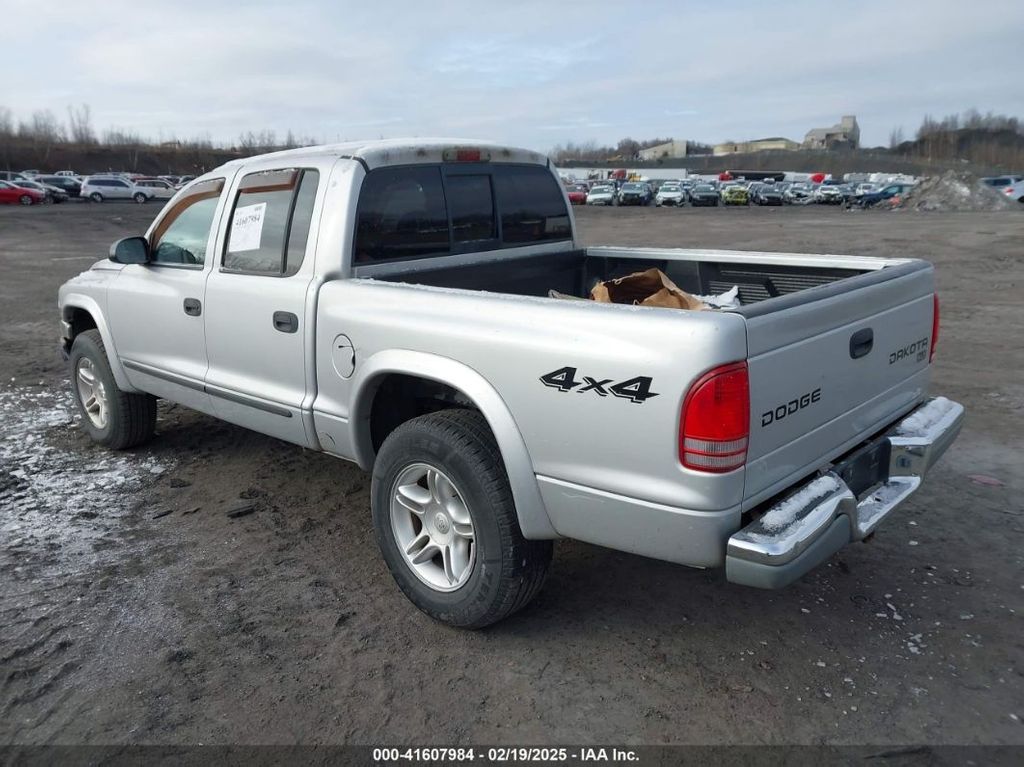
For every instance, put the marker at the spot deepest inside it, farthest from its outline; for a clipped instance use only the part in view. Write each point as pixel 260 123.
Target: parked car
pixel 670 193
pixel 161 189
pixel 50 193
pixel 767 194
pixel 102 188
pixel 66 173
pixel 828 194
pixel 887 192
pixel 635 193
pixel 10 175
pixel 9 193
pixel 798 194
pixel 1014 191
pixel 735 194
pixel 704 195
pixel 70 184
pixel 602 194
pixel 182 180
pixel 577 194
pixel 31 173
pixel 999 182
pixel 790 427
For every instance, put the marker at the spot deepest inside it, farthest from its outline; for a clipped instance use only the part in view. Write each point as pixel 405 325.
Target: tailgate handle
pixel 861 343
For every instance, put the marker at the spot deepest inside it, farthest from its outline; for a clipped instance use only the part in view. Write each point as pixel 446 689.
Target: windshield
pixel 601 190
pixel 632 187
pixel 669 188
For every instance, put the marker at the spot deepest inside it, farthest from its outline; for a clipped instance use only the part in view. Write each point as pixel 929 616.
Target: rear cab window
pixel 418 211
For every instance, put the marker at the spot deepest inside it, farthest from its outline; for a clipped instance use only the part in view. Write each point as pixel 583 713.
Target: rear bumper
pixel 807 527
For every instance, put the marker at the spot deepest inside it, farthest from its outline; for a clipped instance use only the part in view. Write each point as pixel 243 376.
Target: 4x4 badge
pixel 636 390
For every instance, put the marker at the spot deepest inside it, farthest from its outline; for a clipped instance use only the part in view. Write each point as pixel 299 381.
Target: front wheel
pixel 25 199
pixel 139 198
pixel 111 417
pixel 446 522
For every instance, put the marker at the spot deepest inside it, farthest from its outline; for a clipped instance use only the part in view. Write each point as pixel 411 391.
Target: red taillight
pixel 935 326
pixel 715 422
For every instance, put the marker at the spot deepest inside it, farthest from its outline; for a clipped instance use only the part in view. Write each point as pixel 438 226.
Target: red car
pixel 10 192
pixel 578 194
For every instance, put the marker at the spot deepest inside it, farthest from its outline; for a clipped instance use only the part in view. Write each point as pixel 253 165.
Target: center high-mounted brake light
pixel 466 154
pixel 935 326
pixel 714 427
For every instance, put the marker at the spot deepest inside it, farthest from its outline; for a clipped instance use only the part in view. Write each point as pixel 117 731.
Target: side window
pixel 401 214
pixel 182 234
pixel 472 206
pixel 531 204
pixel 121 184
pixel 270 222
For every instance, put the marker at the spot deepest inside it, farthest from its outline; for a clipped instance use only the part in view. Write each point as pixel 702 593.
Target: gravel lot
pixel 133 609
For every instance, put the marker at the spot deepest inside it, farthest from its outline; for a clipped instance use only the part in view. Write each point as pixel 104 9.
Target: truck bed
pixel 759 277
pixel 848 335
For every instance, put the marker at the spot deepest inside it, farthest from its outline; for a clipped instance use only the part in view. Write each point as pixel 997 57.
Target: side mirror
pixel 130 250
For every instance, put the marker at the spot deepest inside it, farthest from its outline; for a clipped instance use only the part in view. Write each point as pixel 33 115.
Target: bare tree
pixel 896 137
pixel 80 125
pixel 628 148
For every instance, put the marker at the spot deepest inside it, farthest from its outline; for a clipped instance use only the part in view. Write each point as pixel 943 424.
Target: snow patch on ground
pixel 43 480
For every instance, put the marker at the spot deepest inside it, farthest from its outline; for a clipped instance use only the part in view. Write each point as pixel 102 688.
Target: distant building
pixel 773 144
pixel 668 149
pixel 844 135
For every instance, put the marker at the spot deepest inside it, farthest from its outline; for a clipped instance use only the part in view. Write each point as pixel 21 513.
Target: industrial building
pixel 775 143
pixel 844 135
pixel 668 149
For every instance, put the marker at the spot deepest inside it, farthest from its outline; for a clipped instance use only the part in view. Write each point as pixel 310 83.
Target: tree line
pixel 626 149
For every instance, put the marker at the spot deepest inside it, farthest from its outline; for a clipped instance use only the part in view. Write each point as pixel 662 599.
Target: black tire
pixel 96 197
pixel 131 418
pixel 26 199
pixel 508 570
pixel 140 198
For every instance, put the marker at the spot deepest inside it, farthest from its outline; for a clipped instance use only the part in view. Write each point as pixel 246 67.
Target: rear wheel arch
pixel 457 386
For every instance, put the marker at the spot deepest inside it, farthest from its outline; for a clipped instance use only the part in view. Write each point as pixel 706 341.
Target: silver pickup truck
pixel 388 303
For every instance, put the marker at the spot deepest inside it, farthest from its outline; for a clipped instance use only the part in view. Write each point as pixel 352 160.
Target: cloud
pixel 532 73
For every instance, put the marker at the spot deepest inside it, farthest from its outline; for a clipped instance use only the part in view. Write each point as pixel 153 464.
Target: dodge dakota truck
pixel 406 305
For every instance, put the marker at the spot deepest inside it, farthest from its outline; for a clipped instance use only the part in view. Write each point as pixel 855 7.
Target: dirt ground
pixel 133 609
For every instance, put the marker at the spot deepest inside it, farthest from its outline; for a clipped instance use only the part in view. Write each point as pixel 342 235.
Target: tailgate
pixel 830 366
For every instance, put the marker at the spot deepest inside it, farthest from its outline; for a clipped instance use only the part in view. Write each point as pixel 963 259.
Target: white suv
pixel 100 188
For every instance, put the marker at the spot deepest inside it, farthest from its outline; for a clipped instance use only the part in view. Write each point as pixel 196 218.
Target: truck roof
pixel 402 151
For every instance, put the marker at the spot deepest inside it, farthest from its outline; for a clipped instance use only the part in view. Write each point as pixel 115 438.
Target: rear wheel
pixel 111 417
pixel 96 197
pixel 139 198
pixel 446 523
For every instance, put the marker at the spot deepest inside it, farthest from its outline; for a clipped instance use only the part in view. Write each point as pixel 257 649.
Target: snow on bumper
pixel 799 532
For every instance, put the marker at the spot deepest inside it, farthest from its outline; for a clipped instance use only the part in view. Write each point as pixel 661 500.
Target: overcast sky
pixel 530 73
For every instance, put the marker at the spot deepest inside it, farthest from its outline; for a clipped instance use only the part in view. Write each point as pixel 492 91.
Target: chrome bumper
pixel 807 527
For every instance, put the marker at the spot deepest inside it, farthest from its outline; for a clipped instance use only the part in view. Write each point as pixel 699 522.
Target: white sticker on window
pixel 247 228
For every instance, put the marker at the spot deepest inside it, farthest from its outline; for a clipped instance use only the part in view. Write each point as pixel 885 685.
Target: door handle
pixel 861 343
pixel 286 322
pixel 192 307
